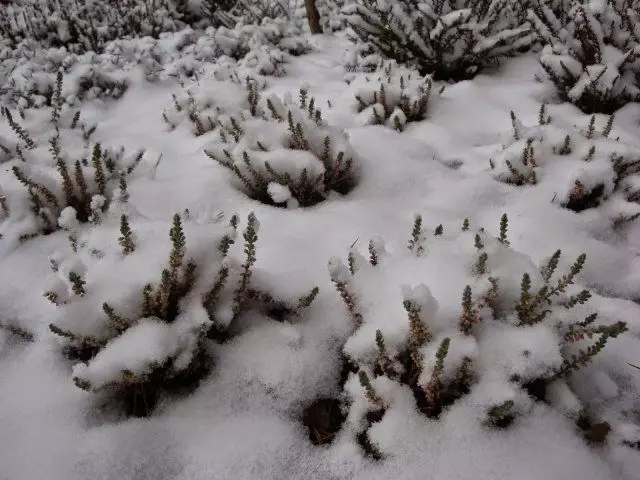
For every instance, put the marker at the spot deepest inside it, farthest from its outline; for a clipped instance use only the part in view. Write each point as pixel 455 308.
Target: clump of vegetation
pixel 584 167
pixel 157 341
pixel 202 110
pixel 87 184
pixel 285 154
pixel 590 53
pixel 449 39
pixel 87 26
pixel 543 326
pixel 395 99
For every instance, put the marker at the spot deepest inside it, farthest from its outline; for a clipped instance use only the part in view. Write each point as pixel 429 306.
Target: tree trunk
pixel 313 16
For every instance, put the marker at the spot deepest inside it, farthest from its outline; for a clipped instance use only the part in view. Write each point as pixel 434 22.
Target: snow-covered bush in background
pixel 451 39
pixel 31 72
pixel 28 71
pixel 285 154
pixel 509 338
pixel 591 52
pixel 398 96
pixel 239 41
pixel 579 168
pixel 139 337
pixel 65 180
pixel 332 18
pixel 28 74
pixel 87 25
pixel 219 13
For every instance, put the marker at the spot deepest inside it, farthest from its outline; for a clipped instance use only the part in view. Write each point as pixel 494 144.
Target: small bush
pixel 580 168
pixel 154 339
pixel 591 54
pixel 286 155
pixel 515 335
pixel 395 99
pixel 86 185
pixel 450 39
pixel 202 106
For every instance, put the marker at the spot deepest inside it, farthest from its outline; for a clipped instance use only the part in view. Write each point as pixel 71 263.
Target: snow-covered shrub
pixel 239 41
pixel 451 39
pixel 202 105
pixel 219 12
pixel 509 338
pixel 579 168
pixel 265 60
pixel 285 154
pixel 331 17
pixel 153 338
pixel 32 81
pixel 396 98
pixel 87 25
pixel 88 177
pixel 591 52
pixel 93 83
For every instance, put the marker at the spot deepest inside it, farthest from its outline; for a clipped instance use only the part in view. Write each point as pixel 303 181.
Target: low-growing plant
pixel 288 155
pixel 167 327
pixel 439 356
pixel 395 99
pixel 77 196
pixel 583 168
pixel 202 108
pixel 590 53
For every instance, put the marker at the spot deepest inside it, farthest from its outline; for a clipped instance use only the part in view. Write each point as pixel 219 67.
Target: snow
pixel 148 341
pixel 243 419
pixel 279 193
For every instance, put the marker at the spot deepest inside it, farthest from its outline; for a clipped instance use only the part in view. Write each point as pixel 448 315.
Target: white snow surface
pixel 243 422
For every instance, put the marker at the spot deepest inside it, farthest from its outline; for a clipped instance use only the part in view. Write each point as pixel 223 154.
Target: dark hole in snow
pixel 537 389
pixel 323 418
pixel 279 312
pixel 584 202
pixel 595 433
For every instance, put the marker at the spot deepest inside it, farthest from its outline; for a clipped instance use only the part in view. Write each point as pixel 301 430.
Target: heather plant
pixel 202 107
pixel 154 339
pixel 397 97
pixel 449 39
pixel 275 33
pixel 87 25
pixel 591 52
pixel 219 12
pixel 86 185
pixel 520 334
pixel 285 154
pixel 583 167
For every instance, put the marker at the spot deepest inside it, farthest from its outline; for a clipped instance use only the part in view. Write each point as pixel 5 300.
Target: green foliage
pixel 370 392
pixel 504 225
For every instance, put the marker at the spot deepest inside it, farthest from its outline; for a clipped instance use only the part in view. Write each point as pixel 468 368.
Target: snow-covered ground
pixel 244 421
